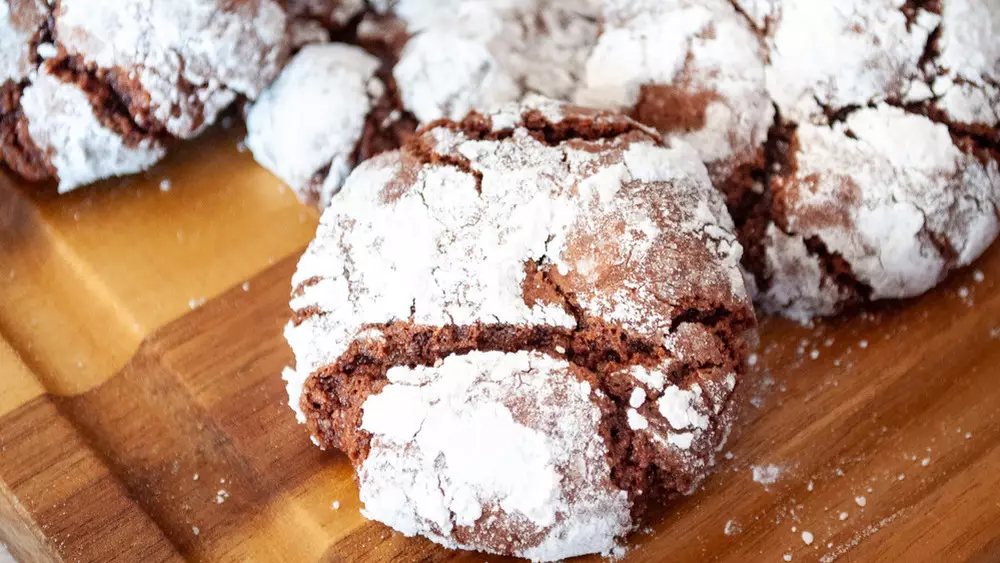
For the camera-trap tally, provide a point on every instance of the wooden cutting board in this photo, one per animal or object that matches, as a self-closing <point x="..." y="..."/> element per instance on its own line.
<point x="142" y="417"/>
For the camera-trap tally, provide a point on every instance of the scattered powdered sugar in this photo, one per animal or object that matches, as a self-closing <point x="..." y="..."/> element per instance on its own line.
<point x="766" y="474"/>
<point x="82" y="150"/>
<point x="860" y="501"/>
<point x="483" y="434"/>
<point x="732" y="528"/>
<point x="807" y="538"/>
<point x="192" y="57"/>
<point x="312" y="117"/>
<point x="706" y="53"/>
<point x="469" y="55"/>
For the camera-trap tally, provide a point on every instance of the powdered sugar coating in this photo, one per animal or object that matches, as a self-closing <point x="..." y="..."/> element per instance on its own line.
<point x="967" y="70"/>
<point x="883" y="193"/>
<point x="439" y="240"/>
<point x="192" y="57"/>
<point x="678" y="420"/>
<point x="462" y="252"/>
<point x="474" y="54"/>
<point x="82" y="150"/>
<point x="490" y="434"/>
<point x="892" y="195"/>
<point x="306" y="126"/>
<point x="836" y="54"/>
<point x="706" y="56"/>
<point x="20" y="20"/>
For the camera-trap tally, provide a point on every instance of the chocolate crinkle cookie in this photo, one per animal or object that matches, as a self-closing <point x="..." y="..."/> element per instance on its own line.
<point x="882" y="171"/>
<point x="522" y="328"/>
<point x="426" y="60"/>
<point x="693" y="70"/>
<point x="91" y="89"/>
<point x="334" y="105"/>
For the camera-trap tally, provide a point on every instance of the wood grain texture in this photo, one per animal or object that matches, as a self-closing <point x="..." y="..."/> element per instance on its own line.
<point x="126" y="461"/>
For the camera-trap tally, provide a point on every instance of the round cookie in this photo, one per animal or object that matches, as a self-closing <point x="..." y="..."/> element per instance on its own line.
<point x="694" y="70"/>
<point x="306" y="128"/>
<point x="550" y="281"/>
<point x="883" y="174"/>
<point x="473" y="54"/>
<point x="100" y="87"/>
<point x="177" y="64"/>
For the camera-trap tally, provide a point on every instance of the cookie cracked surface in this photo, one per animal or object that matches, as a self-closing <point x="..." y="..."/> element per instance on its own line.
<point x="693" y="70"/>
<point x="93" y="89"/>
<point x="883" y="172"/>
<point x="552" y="278"/>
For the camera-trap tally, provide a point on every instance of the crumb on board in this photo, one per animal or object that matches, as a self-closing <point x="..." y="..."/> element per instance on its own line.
<point x="766" y="474"/>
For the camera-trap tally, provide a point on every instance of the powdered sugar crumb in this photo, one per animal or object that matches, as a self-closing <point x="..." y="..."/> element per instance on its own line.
<point x="766" y="474"/>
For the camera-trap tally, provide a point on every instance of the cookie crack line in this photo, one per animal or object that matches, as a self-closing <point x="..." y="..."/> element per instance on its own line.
<point x="758" y="31"/>
<point x="477" y="127"/>
<point x="117" y="117"/>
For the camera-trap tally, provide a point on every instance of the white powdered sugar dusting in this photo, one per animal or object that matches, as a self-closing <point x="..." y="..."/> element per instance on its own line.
<point x="312" y="117"/>
<point x="192" y="57"/>
<point x="968" y="84"/>
<point x="900" y="197"/>
<point x="19" y="21"/>
<point x="703" y="48"/>
<point x="486" y="433"/>
<point x="479" y="54"/>
<point x="837" y="54"/>
<point x="439" y="252"/>
<point x="898" y="187"/>
<point x="677" y="420"/>
<point x="62" y="124"/>
<point x="766" y="474"/>
<point x="501" y="451"/>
